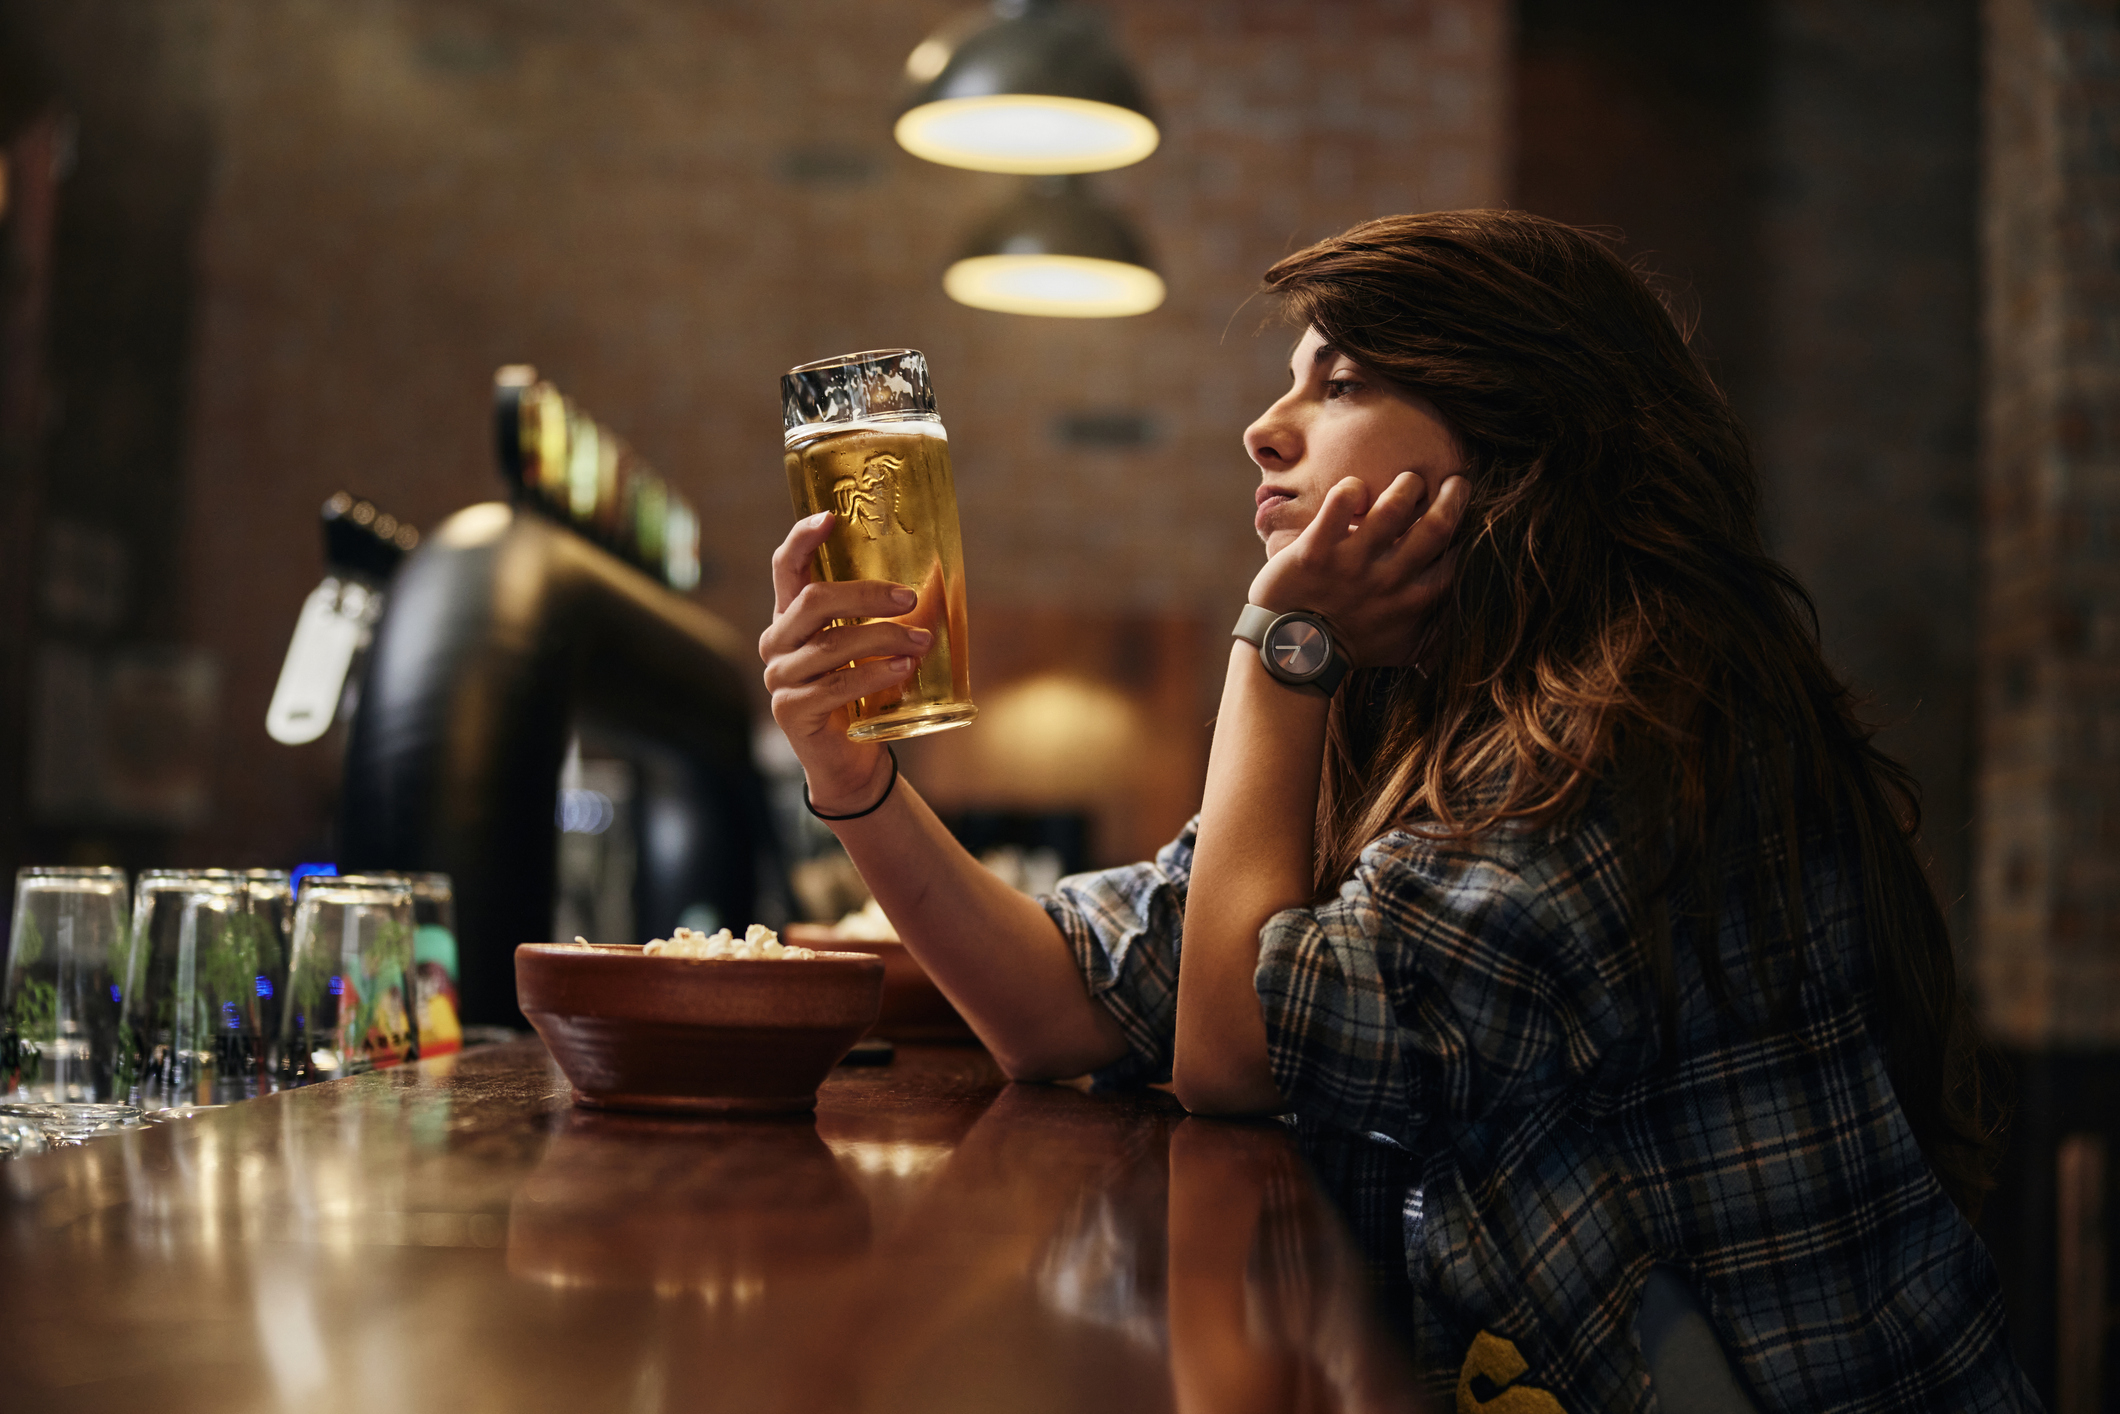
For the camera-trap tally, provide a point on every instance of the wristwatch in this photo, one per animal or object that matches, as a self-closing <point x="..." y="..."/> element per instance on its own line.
<point x="1296" y="647"/>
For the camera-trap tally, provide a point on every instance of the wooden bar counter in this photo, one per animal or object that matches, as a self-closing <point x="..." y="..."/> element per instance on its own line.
<point x="456" y="1235"/>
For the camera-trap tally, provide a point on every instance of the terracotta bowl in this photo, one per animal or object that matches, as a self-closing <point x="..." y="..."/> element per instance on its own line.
<point x="914" y="1008"/>
<point x="634" y="1032"/>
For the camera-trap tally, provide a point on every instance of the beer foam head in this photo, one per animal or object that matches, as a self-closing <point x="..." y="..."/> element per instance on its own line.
<point x="907" y="427"/>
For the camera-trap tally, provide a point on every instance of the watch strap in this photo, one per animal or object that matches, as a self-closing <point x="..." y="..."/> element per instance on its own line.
<point x="1252" y="625"/>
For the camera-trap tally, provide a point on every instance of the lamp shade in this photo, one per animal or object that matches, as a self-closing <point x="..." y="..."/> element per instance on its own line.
<point x="1055" y="252"/>
<point x="1029" y="86"/>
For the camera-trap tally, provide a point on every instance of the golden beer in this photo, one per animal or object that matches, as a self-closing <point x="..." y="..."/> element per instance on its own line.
<point x="886" y="479"/>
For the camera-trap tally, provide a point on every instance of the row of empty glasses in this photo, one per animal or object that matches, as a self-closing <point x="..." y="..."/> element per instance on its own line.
<point x="198" y="987"/>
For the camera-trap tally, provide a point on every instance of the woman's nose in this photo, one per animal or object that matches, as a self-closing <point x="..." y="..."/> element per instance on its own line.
<point x="1271" y="441"/>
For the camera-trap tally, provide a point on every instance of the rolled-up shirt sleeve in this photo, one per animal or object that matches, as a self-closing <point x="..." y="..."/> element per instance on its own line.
<point x="1442" y="982"/>
<point x="1124" y="926"/>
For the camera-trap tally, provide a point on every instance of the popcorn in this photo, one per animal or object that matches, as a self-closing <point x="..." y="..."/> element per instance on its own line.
<point x="868" y="924"/>
<point x="758" y="942"/>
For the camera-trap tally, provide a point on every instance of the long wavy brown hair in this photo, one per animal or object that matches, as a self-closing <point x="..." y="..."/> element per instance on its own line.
<point x="1615" y="624"/>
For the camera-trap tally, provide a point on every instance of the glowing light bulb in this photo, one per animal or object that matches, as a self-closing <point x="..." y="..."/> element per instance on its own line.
<point x="1062" y="286"/>
<point x="1028" y="133"/>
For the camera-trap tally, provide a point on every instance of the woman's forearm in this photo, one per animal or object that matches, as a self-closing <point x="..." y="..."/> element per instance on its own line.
<point x="994" y="952"/>
<point x="1254" y="857"/>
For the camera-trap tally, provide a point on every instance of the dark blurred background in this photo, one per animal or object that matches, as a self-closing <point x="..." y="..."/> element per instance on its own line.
<point x="255" y="253"/>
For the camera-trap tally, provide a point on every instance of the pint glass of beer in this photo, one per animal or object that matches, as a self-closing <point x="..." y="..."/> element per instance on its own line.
<point x="864" y="443"/>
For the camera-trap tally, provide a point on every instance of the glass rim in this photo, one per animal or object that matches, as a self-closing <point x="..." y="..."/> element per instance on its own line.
<point x="359" y="883"/>
<point x="202" y="879"/>
<point x="432" y="879"/>
<point x="70" y="871"/>
<point x="40" y="1109"/>
<point x="849" y="359"/>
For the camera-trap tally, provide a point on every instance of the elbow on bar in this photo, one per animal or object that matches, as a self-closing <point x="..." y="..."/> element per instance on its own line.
<point x="1227" y="1091"/>
<point x="1037" y="1059"/>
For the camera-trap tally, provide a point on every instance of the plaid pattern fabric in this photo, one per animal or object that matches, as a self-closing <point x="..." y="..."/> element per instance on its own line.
<point x="1485" y="1009"/>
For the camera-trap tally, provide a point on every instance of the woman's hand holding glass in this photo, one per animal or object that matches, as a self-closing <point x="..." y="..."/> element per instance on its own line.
<point x="819" y="658"/>
<point x="1375" y="572"/>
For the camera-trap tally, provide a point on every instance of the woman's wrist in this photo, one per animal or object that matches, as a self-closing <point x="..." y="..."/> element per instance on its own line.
<point x="851" y="790"/>
<point x="1280" y="700"/>
<point x="835" y="818"/>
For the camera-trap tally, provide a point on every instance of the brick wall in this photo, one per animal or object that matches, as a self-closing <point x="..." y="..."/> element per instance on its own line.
<point x="663" y="206"/>
<point x="2049" y="851"/>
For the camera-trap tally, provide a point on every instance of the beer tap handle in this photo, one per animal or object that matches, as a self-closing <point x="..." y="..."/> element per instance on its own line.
<point x="362" y="548"/>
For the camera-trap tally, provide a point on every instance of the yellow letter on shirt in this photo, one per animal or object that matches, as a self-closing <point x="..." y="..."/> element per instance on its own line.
<point x="1498" y="1360"/>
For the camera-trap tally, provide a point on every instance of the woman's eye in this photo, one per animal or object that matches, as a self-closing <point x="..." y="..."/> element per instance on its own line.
<point x="1340" y="387"/>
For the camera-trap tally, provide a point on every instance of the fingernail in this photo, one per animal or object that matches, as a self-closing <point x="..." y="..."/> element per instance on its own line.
<point x="904" y="598"/>
<point x="816" y="520"/>
<point x="920" y="636"/>
<point x="901" y="665"/>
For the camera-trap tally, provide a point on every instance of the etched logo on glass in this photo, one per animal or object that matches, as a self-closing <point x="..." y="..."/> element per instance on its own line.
<point x="871" y="499"/>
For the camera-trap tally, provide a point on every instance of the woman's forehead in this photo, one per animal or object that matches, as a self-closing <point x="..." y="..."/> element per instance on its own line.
<point x="1320" y="352"/>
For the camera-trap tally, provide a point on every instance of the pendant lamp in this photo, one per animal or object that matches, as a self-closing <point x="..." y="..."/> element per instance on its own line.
<point x="1054" y="251"/>
<point x="1027" y="86"/>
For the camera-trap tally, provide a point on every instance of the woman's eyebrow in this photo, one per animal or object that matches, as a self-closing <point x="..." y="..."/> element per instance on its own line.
<point x="1323" y="353"/>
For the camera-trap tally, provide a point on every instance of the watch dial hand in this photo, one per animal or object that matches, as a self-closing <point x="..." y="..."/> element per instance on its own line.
<point x="1301" y="649"/>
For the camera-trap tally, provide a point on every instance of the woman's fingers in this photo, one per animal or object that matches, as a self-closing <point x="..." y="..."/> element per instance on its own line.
<point x="1431" y="535"/>
<point x="820" y="655"/>
<point x="1330" y="528"/>
<point x="806" y="709"/>
<point x="1343" y="509"/>
<point x="794" y="560"/>
<point x="848" y="643"/>
<point x="1394" y="511"/>
<point x="818" y="604"/>
<point x="1349" y="521"/>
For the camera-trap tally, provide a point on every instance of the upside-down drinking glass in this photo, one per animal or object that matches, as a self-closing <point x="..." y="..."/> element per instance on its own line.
<point x="350" y="990"/>
<point x="204" y="977"/>
<point x="62" y="1030"/>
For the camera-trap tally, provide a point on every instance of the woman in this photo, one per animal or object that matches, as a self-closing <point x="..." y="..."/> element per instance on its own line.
<point x="1585" y="886"/>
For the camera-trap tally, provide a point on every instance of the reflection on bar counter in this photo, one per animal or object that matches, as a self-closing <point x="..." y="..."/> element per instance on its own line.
<point x="934" y="1239"/>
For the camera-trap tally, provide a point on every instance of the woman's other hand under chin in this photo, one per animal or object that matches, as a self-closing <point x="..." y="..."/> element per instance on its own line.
<point x="1375" y="572"/>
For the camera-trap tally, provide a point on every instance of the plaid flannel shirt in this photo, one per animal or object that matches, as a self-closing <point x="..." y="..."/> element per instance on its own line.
<point x="1484" y="1008"/>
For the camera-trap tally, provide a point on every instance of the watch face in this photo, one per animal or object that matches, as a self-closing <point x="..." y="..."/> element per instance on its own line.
<point x="1298" y="648"/>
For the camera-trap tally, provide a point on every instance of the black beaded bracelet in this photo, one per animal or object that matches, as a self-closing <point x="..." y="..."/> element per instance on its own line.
<point x="888" y="788"/>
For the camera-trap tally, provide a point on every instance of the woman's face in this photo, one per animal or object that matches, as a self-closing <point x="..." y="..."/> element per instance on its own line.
<point x="1339" y="420"/>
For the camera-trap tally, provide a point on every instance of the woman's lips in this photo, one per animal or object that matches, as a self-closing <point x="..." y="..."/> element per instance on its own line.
<point x="1269" y="502"/>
